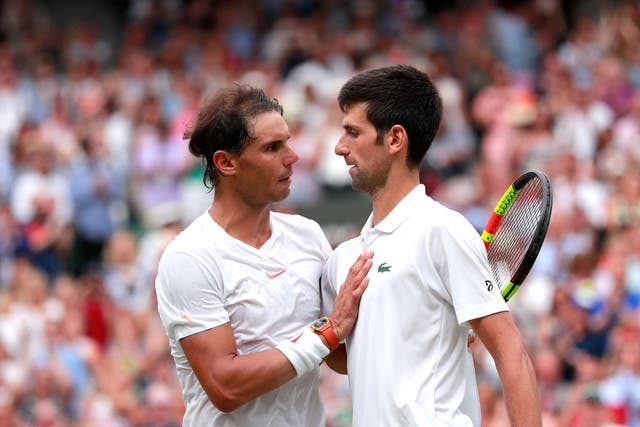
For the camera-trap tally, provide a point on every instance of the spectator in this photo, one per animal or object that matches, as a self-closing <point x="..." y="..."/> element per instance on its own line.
<point x="41" y="205"/>
<point x="160" y="163"/>
<point x="566" y="105"/>
<point x="97" y="189"/>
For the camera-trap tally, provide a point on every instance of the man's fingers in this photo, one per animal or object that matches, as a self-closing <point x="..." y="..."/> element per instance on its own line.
<point x="360" y="263"/>
<point x="345" y="309"/>
<point x="360" y="274"/>
<point x="360" y="288"/>
<point x="360" y="268"/>
<point x="470" y="339"/>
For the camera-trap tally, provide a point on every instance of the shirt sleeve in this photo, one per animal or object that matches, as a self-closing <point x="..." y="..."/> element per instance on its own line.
<point x="328" y="289"/>
<point x="322" y="240"/>
<point x="327" y="294"/>
<point x="465" y="272"/>
<point x="190" y="296"/>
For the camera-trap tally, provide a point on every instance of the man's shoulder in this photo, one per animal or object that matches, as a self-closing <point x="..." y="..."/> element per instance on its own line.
<point x="347" y="247"/>
<point x="438" y="215"/>
<point x="190" y="237"/>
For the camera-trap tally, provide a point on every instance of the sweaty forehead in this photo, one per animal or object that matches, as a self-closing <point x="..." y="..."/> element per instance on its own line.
<point x="269" y="126"/>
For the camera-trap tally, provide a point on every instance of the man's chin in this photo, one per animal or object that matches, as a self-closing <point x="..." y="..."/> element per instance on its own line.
<point x="358" y="186"/>
<point x="283" y="195"/>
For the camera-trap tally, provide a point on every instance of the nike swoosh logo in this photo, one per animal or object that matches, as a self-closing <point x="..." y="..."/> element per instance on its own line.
<point x="274" y="275"/>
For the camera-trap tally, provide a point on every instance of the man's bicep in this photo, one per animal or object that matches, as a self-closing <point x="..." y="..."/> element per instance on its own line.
<point x="231" y="380"/>
<point x="498" y="332"/>
<point x="208" y="353"/>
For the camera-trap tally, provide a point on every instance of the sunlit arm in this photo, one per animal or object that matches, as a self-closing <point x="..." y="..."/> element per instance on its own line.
<point x="231" y="380"/>
<point x="504" y="342"/>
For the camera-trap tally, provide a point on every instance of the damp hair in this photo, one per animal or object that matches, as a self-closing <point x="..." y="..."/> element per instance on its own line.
<point x="224" y="123"/>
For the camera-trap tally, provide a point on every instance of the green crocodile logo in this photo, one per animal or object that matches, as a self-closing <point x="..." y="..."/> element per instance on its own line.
<point x="382" y="268"/>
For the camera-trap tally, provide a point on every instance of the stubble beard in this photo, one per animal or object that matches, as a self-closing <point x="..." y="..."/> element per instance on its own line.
<point x="370" y="183"/>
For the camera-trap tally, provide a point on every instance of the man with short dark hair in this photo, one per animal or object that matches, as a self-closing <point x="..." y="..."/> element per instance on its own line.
<point x="407" y="353"/>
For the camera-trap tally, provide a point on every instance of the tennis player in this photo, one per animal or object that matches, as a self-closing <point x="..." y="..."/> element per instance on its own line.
<point x="430" y="281"/>
<point x="238" y="290"/>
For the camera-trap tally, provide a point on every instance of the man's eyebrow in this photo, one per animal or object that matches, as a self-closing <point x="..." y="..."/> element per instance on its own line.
<point x="279" y="140"/>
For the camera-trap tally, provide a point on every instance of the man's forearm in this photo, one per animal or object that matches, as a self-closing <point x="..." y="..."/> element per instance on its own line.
<point x="240" y="379"/>
<point x="503" y="340"/>
<point x="231" y="380"/>
<point x="520" y="391"/>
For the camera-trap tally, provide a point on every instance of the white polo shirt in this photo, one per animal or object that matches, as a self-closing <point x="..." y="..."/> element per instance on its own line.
<point x="430" y="275"/>
<point x="207" y="278"/>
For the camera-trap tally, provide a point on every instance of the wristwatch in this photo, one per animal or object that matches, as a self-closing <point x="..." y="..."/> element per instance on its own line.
<point x="324" y="327"/>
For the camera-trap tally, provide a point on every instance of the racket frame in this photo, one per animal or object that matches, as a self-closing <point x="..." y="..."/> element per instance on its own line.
<point x="502" y="208"/>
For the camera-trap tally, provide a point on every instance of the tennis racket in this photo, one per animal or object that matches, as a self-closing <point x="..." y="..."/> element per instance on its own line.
<point x="516" y="229"/>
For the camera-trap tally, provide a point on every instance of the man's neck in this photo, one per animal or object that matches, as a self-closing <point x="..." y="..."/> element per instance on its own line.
<point x="385" y="199"/>
<point x="249" y="224"/>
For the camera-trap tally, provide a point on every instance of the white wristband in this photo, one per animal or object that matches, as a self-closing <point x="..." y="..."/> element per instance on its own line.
<point x="306" y="352"/>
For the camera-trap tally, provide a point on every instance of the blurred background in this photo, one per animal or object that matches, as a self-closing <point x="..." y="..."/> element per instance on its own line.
<point x="95" y="179"/>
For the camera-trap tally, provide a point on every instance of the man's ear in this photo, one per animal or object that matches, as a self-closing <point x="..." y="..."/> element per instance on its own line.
<point x="397" y="139"/>
<point x="224" y="162"/>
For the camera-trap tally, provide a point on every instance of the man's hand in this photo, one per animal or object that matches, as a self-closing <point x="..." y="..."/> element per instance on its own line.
<point x="345" y="307"/>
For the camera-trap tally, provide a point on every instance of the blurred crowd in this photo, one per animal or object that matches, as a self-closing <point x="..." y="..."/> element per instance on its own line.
<point x="95" y="179"/>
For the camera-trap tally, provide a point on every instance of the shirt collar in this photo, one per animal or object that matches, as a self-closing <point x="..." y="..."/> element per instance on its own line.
<point x="398" y="214"/>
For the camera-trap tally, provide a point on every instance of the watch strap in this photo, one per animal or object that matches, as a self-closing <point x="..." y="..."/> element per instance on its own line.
<point x="328" y="332"/>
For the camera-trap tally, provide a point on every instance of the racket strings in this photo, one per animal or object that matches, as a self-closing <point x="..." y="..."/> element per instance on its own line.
<point x="516" y="232"/>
